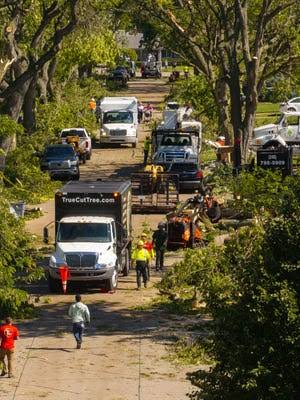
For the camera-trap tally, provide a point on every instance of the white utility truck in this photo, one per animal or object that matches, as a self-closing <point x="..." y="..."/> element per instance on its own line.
<point x="171" y="146"/>
<point x="175" y="115"/>
<point x="286" y="130"/>
<point x="118" y="120"/>
<point x="92" y="229"/>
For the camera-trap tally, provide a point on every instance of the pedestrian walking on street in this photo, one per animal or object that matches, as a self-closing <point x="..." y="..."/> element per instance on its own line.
<point x="147" y="146"/>
<point x="148" y="245"/>
<point x="140" y="257"/>
<point x="160" y="238"/>
<point x="80" y="315"/>
<point x="8" y="334"/>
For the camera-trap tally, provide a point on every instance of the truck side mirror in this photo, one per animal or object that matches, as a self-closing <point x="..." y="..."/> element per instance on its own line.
<point x="46" y="235"/>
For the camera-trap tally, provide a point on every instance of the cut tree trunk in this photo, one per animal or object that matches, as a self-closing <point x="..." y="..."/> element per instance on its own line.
<point x="221" y="98"/>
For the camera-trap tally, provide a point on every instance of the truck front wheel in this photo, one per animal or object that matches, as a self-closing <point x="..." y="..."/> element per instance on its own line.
<point x="112" y="283"/>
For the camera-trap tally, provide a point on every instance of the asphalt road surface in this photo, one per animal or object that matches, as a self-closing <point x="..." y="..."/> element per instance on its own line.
<point x="125" y="354"/>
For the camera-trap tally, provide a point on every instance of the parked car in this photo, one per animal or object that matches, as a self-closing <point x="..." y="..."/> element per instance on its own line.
<point x="85" y="143"/>
<point x="120" y="75"/>
<point x="61" y="161"/>
<point x="291" y="105"/>
<point x="151" y="70"/>
<point x="190" y="175"/>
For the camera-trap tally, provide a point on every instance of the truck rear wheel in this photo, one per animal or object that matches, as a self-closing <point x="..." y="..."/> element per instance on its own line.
<point x="134" y="145"/>
<point x="126" y="264"/>
<point x="112" y="283"/>
<point x="54" y="285"/>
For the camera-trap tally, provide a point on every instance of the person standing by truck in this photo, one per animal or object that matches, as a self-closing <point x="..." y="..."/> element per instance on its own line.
<point x="160" y="238"/>
<point x="80" y="315"/>
<point x="140" y="111"/>
<point x="141" y="257"/>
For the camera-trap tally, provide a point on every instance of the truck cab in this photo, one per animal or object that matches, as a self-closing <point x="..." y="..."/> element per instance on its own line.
<point x="175" y="146"/>
<point x="119" y="120"/>
<point x="92" y="225"/>
<point x="287" y="128"/>
<point x="87" y="244"/>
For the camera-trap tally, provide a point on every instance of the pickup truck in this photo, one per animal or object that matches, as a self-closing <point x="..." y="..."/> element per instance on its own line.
<point x="60" y="161"/>
<point x="85" y="141"/>
<point x="287" y="129"/>
<point x="175" y="146"/>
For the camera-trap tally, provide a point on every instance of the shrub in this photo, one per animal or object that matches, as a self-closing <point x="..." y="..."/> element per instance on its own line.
<point x="17" y="263"/>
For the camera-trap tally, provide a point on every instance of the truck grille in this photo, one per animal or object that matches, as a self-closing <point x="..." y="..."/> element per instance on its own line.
<point x="171" y="155"/>
<point x="59" y="164"/>
<point x="118" y="132"/>
<point x="81" y="260"/>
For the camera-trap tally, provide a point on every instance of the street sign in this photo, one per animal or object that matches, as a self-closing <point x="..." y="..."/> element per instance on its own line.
<point x="275" y="159"/>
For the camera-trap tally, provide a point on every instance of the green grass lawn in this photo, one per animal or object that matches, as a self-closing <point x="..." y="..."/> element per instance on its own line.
<point x="268" y="108"/>
<point x="267" y="113"/>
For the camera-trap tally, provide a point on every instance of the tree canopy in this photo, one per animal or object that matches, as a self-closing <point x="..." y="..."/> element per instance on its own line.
<point x="235" y="44"/>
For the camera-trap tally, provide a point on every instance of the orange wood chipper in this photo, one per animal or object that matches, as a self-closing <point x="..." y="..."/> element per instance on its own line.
<point x="185" y="224"/>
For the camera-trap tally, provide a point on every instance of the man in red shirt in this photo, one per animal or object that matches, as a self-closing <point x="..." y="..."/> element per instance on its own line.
<point x="8" y="335"/>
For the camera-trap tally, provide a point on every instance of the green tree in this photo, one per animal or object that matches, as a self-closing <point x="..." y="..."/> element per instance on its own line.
<point x="250" y="288"/>
<point x="17" y="263"/>
<point x="33" y="33"/>
<point x="253" y="298"/>
<point x="86" y="50"/>
<point x="235" y="44"/>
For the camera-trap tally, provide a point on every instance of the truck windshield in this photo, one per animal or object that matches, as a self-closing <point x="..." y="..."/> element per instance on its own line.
<point x="80" y="232"/>
<point x="73" y="132"/>
<point x="118" y="117"/>
<point x="176" y="140"/>
<point x="59" y="151"/>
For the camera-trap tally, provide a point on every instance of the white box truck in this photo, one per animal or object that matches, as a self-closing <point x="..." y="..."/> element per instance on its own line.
<point x="119" y="120"/>
<point x="93" y="233"/>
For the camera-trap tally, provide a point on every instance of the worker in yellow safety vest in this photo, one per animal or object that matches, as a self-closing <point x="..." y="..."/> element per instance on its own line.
<point x="147" y="147"/>
<point x="141" y="257"/>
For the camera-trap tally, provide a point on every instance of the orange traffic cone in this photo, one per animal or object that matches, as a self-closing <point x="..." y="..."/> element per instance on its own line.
<point x="64" y="276"/>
